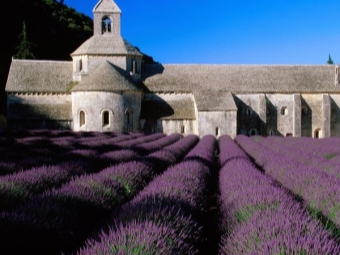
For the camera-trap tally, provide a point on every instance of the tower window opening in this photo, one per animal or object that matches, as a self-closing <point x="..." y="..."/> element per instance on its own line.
<point x="82" y="118"/>
<point x="182" y="129"/>
<point x="106" y="25"/>
<point x="79" y="65"/>
<point x="106" y="118"/>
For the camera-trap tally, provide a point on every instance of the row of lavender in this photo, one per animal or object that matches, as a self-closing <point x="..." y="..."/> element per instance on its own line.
<point x="167" y="217"/>
<point x="324" y="154"/>
<point x="319" y="190"/>
<point x="18" y="153"/>
<point x="62" y="218"/>
<point x="23" y="185"/>
<point x="258" y="216"/>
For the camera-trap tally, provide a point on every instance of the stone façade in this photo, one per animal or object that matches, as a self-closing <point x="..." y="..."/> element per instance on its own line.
<point x="106" y="88"/>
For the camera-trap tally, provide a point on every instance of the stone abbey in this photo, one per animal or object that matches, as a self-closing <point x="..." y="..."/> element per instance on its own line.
<point x="106" y="87"/>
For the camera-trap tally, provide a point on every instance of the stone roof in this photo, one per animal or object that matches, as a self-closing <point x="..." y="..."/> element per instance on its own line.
<point x="39" y="76"/>
<point x="105" y="76"/>
<point x="241" y="78"/>
<point x="106" y="45"/>
<point x="215" y="101"/>
<point x="40" y="111"/>
<point x="169" y="107"/>
<point x="105" y="5"/>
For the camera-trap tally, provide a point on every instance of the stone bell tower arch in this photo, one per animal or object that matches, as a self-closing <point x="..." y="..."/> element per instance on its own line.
<point x="107" y="17"/>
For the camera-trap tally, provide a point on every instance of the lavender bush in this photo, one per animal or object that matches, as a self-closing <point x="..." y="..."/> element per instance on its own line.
<point x="70" y="213"/>
<point x="173" y="203"/>
<point x="319" y="190"/>
<point x="258" y="217"/>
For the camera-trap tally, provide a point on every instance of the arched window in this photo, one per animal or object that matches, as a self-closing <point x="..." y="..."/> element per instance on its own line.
<point x="105" y="118"/>
<point x="182" y="129"/>
<point x="304" y="110"/>
<point x="79" y="65"/>
<point x="252" y="132"/>
<point x="129" y="116"/>
<point x="249" y="111"/>
<point x="81" y="118"/>
<point x="317" y="133"/>
<point x="284" y="110"/>
<point x="272" y="132"/>
<point x="106" y="25"/>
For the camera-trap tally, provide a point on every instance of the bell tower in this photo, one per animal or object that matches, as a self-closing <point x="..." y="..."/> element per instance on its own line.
<point x="107" y="17"/>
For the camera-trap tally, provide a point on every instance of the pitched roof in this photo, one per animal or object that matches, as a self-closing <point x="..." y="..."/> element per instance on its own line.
<point x="39" y="76"/>
<point x="106" y="45"/>
<point x="241" y="78"/>
<point x="106" y="5"/>
<point x="215" y="101"/>
<point x="168" y="107"/>
<point x="105" y="76"/>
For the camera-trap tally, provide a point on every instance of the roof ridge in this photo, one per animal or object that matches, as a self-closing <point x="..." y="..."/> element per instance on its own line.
<point x="41" y="61"/>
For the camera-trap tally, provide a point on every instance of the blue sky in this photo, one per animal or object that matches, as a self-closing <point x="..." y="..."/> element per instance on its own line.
<point x="230" y="31"/>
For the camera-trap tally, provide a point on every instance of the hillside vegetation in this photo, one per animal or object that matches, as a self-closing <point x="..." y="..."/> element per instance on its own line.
<point x="53" y="30"/>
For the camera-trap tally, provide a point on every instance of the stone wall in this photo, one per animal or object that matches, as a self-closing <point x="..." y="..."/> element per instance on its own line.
<point x="251" y="113"/>
<point x="280" y="114"/>
<point x="335" y="114"/>
<point x="312" y="118"/>
<point x="119" y="105"/>
<point x="39" y="111"/>
<point x="115" y="24"/>
<point x="217" y="123"/>
<point x="178" y="126"/>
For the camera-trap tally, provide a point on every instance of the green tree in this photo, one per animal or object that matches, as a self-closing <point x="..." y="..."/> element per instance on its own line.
<point x="330" y="61"/>
<point x="24" y="50"/>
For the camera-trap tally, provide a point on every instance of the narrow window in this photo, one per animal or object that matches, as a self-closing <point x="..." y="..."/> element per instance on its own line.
<point x="284" y="110"/>
<point x="217" y="131"/>
<point x="272" y="132"/>
<point x="129" y="116"/>
<point x="182" y="129"/>
<point x="82" y="118"/>
<point x="318" y="133"/>
<point x="79" y="65"/>
<point x="304" y="111"/>
<point x="249" y="112"/>
<point x="106" y="118"/>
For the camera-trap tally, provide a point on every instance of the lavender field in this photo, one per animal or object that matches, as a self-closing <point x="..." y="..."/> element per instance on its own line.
<point x="121" y="193"/>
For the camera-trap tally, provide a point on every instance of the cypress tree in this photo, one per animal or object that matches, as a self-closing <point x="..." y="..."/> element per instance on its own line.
<point x="24" y="50"/>
<point x="330" y="61"/>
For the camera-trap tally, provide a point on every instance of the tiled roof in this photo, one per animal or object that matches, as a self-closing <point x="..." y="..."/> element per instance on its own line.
<point x="241" y="78"/>
<point x="39" y="76"/>
<point x="208" y="100"/>
<point x="168" y="107"/>
<point x="106" y="45"/>
<point x="104" y="76"/>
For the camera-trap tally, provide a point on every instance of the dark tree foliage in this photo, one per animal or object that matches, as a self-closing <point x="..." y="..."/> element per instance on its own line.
<point x="330" y="60"/>
<point x="24" y="50"/>
<point x="55" y="29"/>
